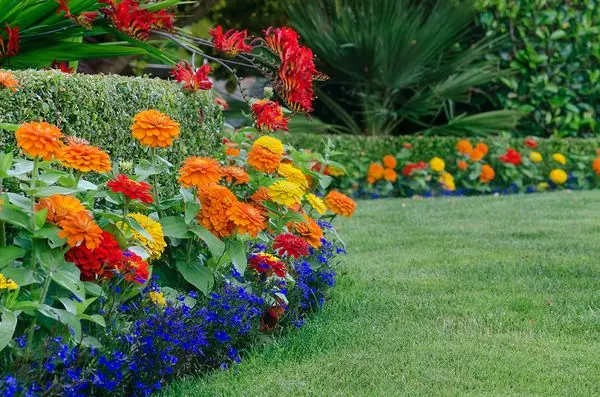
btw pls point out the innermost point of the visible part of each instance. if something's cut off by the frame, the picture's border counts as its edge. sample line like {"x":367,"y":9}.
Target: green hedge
{"x":100,"y":108}
{"x":553,"y":53}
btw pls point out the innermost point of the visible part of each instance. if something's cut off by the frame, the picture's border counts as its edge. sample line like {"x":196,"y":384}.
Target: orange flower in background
{"x":375,"y":172}
{"x":80,"y":228}
{"x":596,"y":166}
{"x":310,"y":231}
{"x":390,"y":175}
{"x":389,"y":161}
{"x":8,"y":80}
{"x":236,"y":175}
{"x":462,"y":165}
{"x":264,"y":160}
{"x":83,"y":157}
{"x":464,"y":147}
{"x":340,"y":204}
{"x":479,"y":152}
{"x":59,"y":207}
{"x":39,"y":139}
{"x":260,"y":195}
{"x":487,"y":174}
{"x":247,"y":218}
{"x":482,"y":147}
{"x":216,"y":200}
{"x":232,"y":151}
{"x":199,"y":171}
{"x":154,"y":129}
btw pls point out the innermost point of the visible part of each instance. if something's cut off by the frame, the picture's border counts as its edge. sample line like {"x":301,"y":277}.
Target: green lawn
{"x":486,"y":296}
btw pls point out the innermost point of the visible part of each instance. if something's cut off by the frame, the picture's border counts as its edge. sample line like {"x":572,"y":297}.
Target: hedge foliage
{"x":100,"y":108}
{"x":553,"y":52}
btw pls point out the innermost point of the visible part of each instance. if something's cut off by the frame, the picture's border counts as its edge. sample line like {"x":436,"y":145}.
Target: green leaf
{"x":215,"y":246}
{"x":558,"y":34}
{"x":7,"y":327}
{"x":68,"y":276}
{"x":22,"y":276}
{"x":5,"y":164}
{"x":138,"y":228}
{"x":63,"y":317}
{"x":95,"y":318}
{"x":50,"y":232}
{"x":175,"y":226}
{"x":15,"y":217}
{"x":47,"y":191}
{"x":39,"y":218}
{"x":199,"y":276}
{"x":9,"y":254}
{"x":238,"y":255}
{"x":191,"y":210}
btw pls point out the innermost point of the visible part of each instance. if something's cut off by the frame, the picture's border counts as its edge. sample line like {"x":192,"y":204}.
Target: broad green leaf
{"x":50,"y":177}
{"x":191,"y":210}
{"x":68,"y":276}
{"x":8,"y":324}
{"x":48,"y":257}
{"x":199,"y":276}
{"x":90,"y":341}
{"x":15,"y":217}
{"x":5,"y":164}
{"x":9,"y":254}
{"x":39,"y":218}
{"x":22,"y":276}
{"x":175,"y":226}
{"x":21,"y":167}
{"x":238,"y":255}
{"x":22,"y":202}
{"x":63,"y":317}
{"x":50,"y":232}
{"x":47,"y":191}
{"x":95,"y":318}
{"x":215,"y":246}
{"x":92,"y":288}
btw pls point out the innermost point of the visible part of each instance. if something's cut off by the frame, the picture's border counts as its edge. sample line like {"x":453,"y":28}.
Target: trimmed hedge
{"x":100,"y":109}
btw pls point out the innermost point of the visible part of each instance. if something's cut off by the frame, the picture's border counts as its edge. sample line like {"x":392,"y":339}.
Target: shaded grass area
{"x":486,"y":296}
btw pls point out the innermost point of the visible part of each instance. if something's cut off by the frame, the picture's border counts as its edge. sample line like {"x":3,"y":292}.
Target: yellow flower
{"x":7,"y":283}
{"x":157,"y":298}
{"x":316,"y":203}
{"x":437,"y":164}
{"x":293,"y":175}
{"x":542,"y":186}
{"x":157,"y":245}
{"x":273,"y":144}
{"x":447,"y":181}
{"x":535,"y":157}
{"x":558,"y":176}
{"x":286,"y":193}
{"x":559,"y":158}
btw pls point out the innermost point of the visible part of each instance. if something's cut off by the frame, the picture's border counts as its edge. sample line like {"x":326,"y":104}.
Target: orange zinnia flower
{"x":389,"y":161}
{"x":39,"y":139}
{"x":247,"y":218}
{"x":80,"y":228}
{"x":390,"y":175}
{"x":340,"y":204}
{"x":154,"y":129}
{"x":464,"y":147}
{"x":375,"y":172}
{"x":199,"y":171}
{"x":462,"y":165}
{"x":260,"y":195}
{"x":8,"y":80}
{"x":59,"y":207}
{"x":232,"y":151}
{"x":487,"y":174}
{"x":596,"y":165}
{"x":235,"y":175}
{"x":481,"y":149}
{"x":216,"y":200}
{"x":263,"y":160}
{"x":83,"y":157}
{"x":309,"y":231}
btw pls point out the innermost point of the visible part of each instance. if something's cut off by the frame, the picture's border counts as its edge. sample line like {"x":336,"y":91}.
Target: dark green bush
{"x":554,"y":53}
{"x":100,"y":109}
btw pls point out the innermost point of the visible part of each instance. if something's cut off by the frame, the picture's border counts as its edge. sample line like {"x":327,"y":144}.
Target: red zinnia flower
{"x":193,"y":81}
{"x":99,"y":262}
{"x":511,"y":156}
{"x":531,"y":143}
{"x":267,"y":264}
{"x":134,"y":268}
{"x":269,"y":116}
{"x":131,"y":189}
{"x":411,"y":167}
{"x":288,"y":244}
{"x":10,"y":46}
{"x":128,"y":17}
{"x":232,"y":42}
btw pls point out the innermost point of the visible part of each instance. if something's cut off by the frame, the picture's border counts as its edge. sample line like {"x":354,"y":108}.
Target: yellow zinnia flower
{"x":7,"y":283}
{"x":293,"y":175}
{"x":317,"y":203}
{"x":157,"y":245}
{"x":447,"y":181}
{"x":558,"y":176}
{"x":559,"y":158}
{"x":273,"y":144}
{"x":437,"y":164}
{"x":535,"y":157}
{"x":286,"y":193}
{"x":157,"y":298}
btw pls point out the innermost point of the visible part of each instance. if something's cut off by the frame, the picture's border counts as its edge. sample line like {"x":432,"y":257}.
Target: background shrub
{"x":553,"y":52}
{"x":100,"y":109}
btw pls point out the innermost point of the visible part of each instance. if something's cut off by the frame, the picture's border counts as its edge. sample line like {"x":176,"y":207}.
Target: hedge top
{"x":100,"y":109}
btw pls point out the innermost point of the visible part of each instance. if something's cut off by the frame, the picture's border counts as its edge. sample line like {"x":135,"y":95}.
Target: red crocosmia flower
{"x":62,"y":66}
{"x":269,"y":116}
{"x":128,"y":17}
{"x":222,"y":103}
{"x":267,"y":264}
{"x":133,"y":268}
{"x":9,"y":46}
{"x":531,"y":143}
{"x":99,"y":262}
{"x":280,"y":40}
{"x":131,"y":189}
{"x":288,"y":244}
{"x":84,"y":19}
{"x":270,"y":318}
{"x":232,"y":42}
{"x":511,"y":157}
{"x":63,"y":7}
{"x":193,"y":81}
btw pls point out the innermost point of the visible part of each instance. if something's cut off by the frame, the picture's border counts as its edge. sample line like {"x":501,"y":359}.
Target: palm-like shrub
{"x":396,"y":63}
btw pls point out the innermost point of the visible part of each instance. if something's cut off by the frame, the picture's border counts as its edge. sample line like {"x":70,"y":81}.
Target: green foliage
{"x":100,"y":109}
{"x":395,"y":64}
{"x":553,"y":53}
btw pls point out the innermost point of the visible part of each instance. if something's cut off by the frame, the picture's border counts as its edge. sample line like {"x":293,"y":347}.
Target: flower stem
{"x":31,"y":331}
{"x":125,"y":207}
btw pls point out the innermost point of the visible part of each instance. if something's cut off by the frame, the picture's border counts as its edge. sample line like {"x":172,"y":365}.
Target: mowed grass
{"x":485,"y":296}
